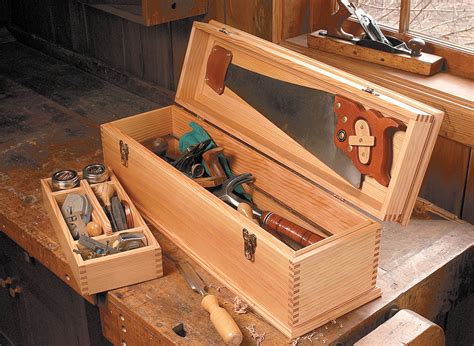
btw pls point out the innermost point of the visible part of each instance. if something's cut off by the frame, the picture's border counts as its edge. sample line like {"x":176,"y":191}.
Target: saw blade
{"x":304,"y":114}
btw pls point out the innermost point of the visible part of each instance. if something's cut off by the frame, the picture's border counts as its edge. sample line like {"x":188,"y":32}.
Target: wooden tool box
{"x":112,"y":271}
{"x":296,"y":291}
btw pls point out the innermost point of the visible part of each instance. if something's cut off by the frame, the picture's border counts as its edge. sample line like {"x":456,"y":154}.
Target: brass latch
{"x":250,"y":245}
{"x":123,"y":153}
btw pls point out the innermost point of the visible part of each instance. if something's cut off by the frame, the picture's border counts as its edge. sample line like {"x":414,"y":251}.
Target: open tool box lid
{"x":204,"y":89}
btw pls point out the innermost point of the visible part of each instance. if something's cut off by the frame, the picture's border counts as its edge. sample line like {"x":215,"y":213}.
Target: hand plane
{"x":374,"y":37}
{"x":373,"y":45}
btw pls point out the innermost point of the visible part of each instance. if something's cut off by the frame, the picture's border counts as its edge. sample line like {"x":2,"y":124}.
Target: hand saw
{"x":341,"y":133}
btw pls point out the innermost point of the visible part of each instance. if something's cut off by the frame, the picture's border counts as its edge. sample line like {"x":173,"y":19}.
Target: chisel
{"x":220,"y":318}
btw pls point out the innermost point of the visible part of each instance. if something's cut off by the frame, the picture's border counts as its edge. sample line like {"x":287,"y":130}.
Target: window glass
{"x":450,"y":20}
{"x":386,"y":12}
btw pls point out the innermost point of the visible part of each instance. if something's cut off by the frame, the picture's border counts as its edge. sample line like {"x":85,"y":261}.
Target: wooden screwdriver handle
{"x":222,"y":321}
{"x":289,"y":229}
{"x":211,"y":159}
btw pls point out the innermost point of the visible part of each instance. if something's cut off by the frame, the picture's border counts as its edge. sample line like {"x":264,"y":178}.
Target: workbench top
{"x":49,"y":119}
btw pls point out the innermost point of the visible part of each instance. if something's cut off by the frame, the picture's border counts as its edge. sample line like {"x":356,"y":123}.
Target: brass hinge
{"x":250,"y":245}
{"x":123,"y":153}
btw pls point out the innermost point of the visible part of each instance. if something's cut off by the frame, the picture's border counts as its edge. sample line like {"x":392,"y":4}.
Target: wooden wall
{"x":154,"y":54}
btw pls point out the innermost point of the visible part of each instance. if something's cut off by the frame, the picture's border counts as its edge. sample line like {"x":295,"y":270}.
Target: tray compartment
{"x":111,"y":271}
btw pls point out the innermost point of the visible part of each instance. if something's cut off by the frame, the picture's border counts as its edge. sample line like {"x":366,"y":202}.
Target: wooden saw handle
{"x":382,"y":128}
{"x":289,"y":229}
{"x":222,"y":321}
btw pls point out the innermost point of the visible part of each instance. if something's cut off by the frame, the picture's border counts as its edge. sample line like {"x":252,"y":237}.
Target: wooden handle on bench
{"x":289,"y":229}
{"x":222,"y":321}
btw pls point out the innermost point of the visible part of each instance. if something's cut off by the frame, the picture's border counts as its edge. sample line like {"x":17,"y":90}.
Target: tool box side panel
{"x":336,"y":273}
{"x":207,"y":229}
{"x":157,"y":122}
{"x":64,"y":239}
{"x":123,"y":269}
{"x":409,"y":171}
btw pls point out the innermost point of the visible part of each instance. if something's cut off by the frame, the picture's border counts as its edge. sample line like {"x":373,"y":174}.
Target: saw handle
{"x":289,"y":229}
{"x":222,"y":321}
{"x":381,"y":128}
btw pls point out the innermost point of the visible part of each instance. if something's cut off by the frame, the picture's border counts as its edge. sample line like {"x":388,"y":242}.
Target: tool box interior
{"x":102,"y":273}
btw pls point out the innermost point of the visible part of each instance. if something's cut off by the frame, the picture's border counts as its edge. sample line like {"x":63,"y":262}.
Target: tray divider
{"x":97,"y":208}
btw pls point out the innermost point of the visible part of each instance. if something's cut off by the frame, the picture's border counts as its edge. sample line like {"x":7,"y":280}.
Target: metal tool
{"x":129,"y":241}
{"x":374,"y":37}
{"x":313,"y":117}
{"x":191,"y":156}
{"x":273,"y":221}
{"x":118,"y":214}
{"x":220,"y":318}
{"x":76,"y":210}
{"x":93,"y":248}
{"x":64,"y":180}
{"x":95,"y":173}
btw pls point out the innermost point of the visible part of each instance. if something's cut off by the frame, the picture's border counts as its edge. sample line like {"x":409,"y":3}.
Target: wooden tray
{"x":112,"y":271}
{"x":296,"y":291}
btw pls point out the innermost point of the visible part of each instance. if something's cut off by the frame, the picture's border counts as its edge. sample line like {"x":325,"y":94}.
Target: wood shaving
{"x":240,"y":307}
{"x":294,"y":342}
{"x":309,"y":337}
{"x":217,"y":288}
{"x":253,"y":333}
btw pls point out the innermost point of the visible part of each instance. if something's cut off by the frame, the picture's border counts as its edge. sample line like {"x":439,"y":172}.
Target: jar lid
{"x":65,"y":179}
{"x":95,"y":173}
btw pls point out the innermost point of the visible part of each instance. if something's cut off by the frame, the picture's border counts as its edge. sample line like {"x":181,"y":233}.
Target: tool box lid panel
{"x":228,"y":74}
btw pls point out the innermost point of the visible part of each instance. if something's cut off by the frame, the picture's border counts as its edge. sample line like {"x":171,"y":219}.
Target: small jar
{"x":95,"y":173}
{"x":64,"y":180}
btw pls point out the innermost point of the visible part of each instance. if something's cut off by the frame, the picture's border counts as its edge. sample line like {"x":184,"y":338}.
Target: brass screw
{"x":344,"y":119}
{"x":349,"y":148}
{"x":338,"y":105}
